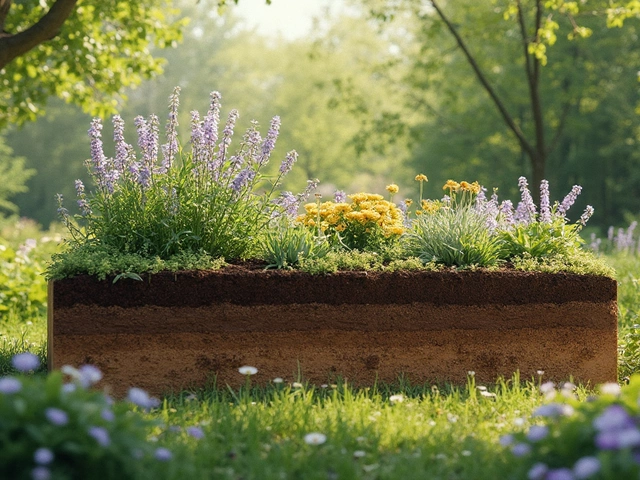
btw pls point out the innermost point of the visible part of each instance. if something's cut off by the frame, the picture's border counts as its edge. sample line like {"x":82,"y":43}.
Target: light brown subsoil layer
{"x":176,"y":332}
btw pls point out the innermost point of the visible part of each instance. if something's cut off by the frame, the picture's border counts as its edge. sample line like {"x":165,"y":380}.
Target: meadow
{"x":296,"y":430}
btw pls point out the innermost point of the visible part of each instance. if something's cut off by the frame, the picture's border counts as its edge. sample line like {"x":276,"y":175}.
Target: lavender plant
{"x":596,"y":439}
{"x":537,"y":234}
{"x":167,"y":200}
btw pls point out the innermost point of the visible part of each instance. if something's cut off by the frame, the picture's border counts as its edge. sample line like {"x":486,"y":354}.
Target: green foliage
{"x":284,"y":245}
{"x":571,"y":430}
{"x":579,"y":262}
{"x":355,"y":260}
{"x":101,"y":48}
{"x":454,"y":236}
{"x":104,"y":261}
{"x":87,"y":438}
{"x":13,"y":176}
{"x":538,"y":239}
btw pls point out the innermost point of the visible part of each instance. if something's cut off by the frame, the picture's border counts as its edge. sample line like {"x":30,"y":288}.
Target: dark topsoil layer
{"x":250,"y":284}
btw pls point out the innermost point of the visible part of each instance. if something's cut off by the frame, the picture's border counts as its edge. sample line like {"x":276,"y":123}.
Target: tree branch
{"x":13,"y":46}
{"x":525,"y":43}
{"x":5,"y":5}
{"x":485,"y":83}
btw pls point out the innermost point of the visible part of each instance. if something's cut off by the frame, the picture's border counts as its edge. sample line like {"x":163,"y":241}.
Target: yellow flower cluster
{"x":462,"y":186}
{"x":368,"y":213}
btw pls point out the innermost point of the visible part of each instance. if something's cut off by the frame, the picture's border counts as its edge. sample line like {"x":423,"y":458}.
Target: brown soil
{"x":241,"y":285}
{"x":176,"y":331}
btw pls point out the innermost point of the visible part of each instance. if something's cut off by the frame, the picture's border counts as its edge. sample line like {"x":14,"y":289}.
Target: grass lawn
{"x":397,"y":431}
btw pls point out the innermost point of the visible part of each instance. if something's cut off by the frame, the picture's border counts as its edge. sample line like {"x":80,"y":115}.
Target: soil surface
{"x":250,"y":284}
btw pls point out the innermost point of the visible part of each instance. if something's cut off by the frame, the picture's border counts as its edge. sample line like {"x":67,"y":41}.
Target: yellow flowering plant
{"x":367,"y":223}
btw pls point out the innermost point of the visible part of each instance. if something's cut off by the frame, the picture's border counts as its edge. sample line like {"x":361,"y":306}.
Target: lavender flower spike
{"x":270,"y":141}
{"x":242,"y":179}
{"x":569,"y":200}
{"x":287,"y":163}
{"x":545,"y":207}
{"x":211,"y":122}
{"x":526,"y":208}
{"x":170,"y":148}
{"x":83,"y":204}
{"x":98,"y":159}
{"x":123,"y":149}
{"x":584,"y":218}
{"x":227,"y":133}
{"x":341,"y":197}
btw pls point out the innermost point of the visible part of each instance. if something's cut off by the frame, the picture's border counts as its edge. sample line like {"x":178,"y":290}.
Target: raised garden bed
{"x":174,"y":331}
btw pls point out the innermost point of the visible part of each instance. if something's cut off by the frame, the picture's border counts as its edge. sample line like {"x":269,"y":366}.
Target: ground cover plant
{"x":172,"y":208}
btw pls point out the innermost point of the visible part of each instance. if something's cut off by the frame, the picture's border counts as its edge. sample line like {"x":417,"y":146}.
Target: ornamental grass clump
{"x":572,"y":439}
{"x":167,"y":200}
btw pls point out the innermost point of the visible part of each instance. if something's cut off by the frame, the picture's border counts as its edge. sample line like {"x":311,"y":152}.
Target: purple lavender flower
{"x":243,"y":179}
{"x":538,"y":471}
{"x":270,"y":141}
{"x":40,"y":473}
{"x":521,"y":449}
{"x":526,"y":209}
{"x":584,"y":218}
{"x":163,"y":455}
{"x":586,"y":467}
{"x":211,"y":122}
{"x":10,"y":385}
{"x":287,"y":163}
{"x":148,"y":143}
{"x":560,"y":474}
{"x":569,"y":200}
{"x":610,"y":234}
{"x":615,"y":417}
{"x":550,"y":410}
{"x":25,"y":362}
{"x":227,"y":133}
{"x":107,"y":415}
{"x":340,"y":196}
{"x":195,"y":432}
{"x":537,"y":433}
{"x":43,"y":456}
{"x":311,"y":186}
{"x":289,"y":203}
{"x":506,"y":210}
{"x":507,"y":440}
{"x":83,"y":204}
{"x":101,"y":435}
{"x":56,"y":416}
{"x":545,"y":206}
{"x":197,"y":138}
{"x":123,"y":149}
{"x":170,"y":148}
{"x":98,"y":160}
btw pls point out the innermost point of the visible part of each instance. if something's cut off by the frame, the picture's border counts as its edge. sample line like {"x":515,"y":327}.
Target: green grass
{"x":434,"y":433}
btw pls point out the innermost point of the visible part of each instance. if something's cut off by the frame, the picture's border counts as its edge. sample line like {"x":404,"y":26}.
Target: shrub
{"x":284,"y":245}
{"x":596,"y":439}
{"x":52,"y":429}
{"x":202,"y":200}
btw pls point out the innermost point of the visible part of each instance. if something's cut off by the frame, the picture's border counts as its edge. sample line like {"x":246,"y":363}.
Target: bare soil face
{"x":176,"y":331}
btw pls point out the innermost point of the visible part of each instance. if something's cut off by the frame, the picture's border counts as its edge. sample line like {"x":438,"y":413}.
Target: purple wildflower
{"x":402,"y":206}
{"x":148,"y":143}
{"x":287,"y":163}
{"x":269,"y":142}
{"x":569,"y":200}
{"x":43,"y":456}
{"x":610,"y":234}
{"x":340,"y":196}
{"x":56,"y":416}
{"x":211,"y":121}
{"x":89,"y":375}
{"x":584,"y":218}
{"x":83,"y":203}
{"x":252,"y":141}
{"x":98,"y":160}
{"x":545,"y":206}
{"x":163,"y":454}
{"x":197,"y":138}
{"x":195,"y":432}
{"x":123,"y":149}
{"x":311,"y":186}
{"x":10,"y":385}
{"x":107,"y":415}
{"x":25,"y":362}
{"x":170,"y":148}
{"x":526,"y":209}
{"x":586,"y":467}
{"x":243,"y":179}
{"x":550,"y":410}
{"x":506,"y":209}
{"x":507,"y":440}
{"x":538,"y":471}
{"x":537,"y":433}
{"x":101,"y":435}
{"x":225,"y":142}
{"x":40,"y":473}
{"x":289,"y":203}
{"x":521,"y":449}
{"x":560,"y":474}
{"x":139,"y":397}
{"x":615,"y":417}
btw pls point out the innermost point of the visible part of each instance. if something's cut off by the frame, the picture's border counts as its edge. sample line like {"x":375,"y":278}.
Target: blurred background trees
{"x":381,"y":92}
